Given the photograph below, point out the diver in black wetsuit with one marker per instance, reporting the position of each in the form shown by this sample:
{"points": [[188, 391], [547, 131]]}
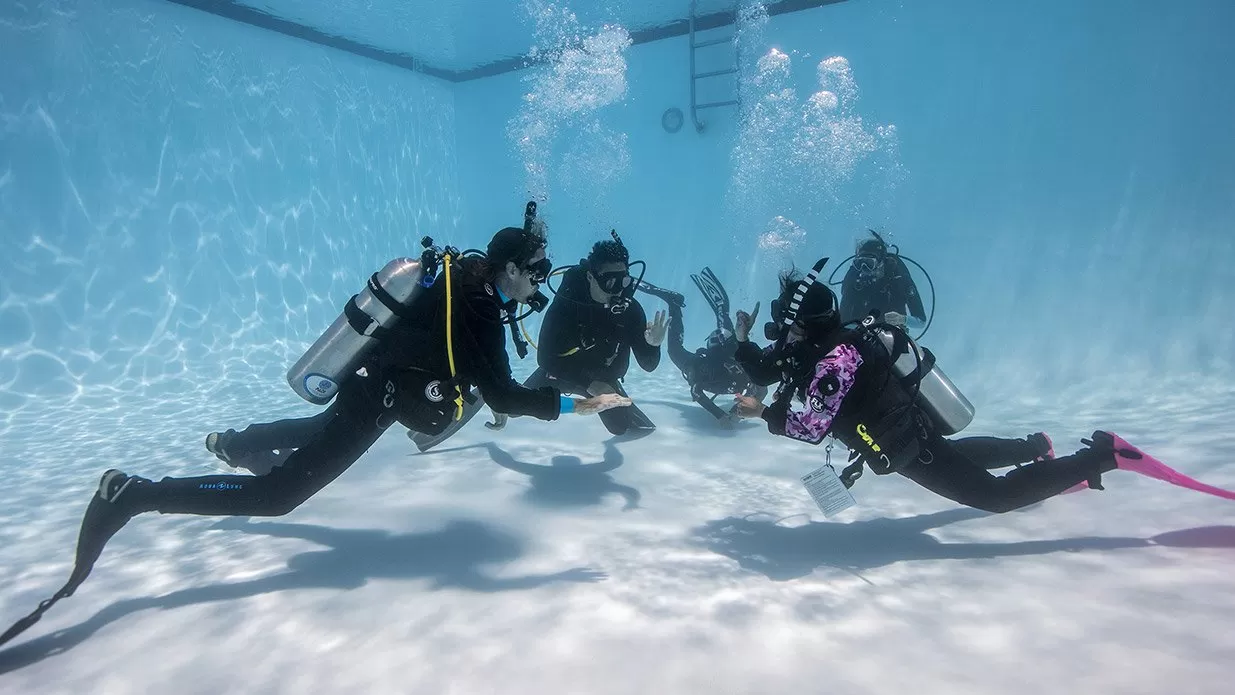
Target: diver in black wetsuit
{"points": [[413, 375], [591, 328], [711, 369], [879, 280], [894, 410]]}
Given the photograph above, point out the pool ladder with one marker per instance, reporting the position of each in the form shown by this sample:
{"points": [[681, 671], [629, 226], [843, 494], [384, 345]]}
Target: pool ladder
{"points": [[695, 106]]}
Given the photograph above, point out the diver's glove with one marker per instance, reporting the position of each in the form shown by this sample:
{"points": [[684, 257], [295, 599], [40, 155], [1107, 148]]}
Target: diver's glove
{"points": [[499, 421]]}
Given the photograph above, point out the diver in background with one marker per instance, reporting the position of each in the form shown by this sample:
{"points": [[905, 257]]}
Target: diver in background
{"points": [[856, 387], [713, 368], [878, 280], [413, 375], [590, 330]]}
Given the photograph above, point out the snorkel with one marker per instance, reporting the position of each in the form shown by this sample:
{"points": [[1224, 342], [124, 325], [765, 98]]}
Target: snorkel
{"points": [[788, 311], [542, 268]]}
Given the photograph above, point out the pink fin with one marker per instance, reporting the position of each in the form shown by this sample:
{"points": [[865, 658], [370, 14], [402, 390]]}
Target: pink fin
{"points": [[1149, 466]]}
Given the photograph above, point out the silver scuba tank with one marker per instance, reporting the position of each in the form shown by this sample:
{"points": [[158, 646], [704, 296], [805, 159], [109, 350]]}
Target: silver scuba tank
{"points": [[947, 406], [339, 352]]}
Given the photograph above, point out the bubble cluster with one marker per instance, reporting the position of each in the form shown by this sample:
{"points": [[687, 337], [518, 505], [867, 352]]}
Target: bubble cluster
{"points": [[782, 234], [594, 161], [814, 158], [580, 74]]}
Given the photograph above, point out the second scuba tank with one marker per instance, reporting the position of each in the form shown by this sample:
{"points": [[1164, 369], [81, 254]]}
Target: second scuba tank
{"points": [[950, 410], [366, 317]]}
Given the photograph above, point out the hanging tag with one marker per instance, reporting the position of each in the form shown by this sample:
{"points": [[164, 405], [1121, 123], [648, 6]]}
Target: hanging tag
{"points": [[826, 488]]}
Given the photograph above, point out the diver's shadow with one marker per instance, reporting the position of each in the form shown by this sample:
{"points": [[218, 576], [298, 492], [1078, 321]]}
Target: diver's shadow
{"points": [[453, 556], [567, 481], [703, 422], [783, 553]]}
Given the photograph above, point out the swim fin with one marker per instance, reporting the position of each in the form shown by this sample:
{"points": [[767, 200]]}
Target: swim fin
{"points": [[104, 517], [626, 419], [424, 442], [1130, 458], [714, 292]]}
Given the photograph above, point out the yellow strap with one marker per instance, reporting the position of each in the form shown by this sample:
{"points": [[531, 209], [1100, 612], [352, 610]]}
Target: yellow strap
{"points": [[527, 336], [569, 352], [450, 343]]}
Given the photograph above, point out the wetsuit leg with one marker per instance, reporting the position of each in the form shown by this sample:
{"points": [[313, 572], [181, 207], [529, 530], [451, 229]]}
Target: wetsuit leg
{"points": [[682, 359], [996, 452], [291, 433], [951, 474], [352, 427]]}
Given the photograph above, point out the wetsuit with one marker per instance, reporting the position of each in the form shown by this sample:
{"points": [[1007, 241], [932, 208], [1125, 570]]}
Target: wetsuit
{"points": [[407, 380], [850, 387], [583, 341], [893, 291]]}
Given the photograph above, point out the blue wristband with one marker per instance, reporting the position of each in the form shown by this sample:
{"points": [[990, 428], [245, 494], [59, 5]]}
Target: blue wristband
{"points": [[568, 404]]}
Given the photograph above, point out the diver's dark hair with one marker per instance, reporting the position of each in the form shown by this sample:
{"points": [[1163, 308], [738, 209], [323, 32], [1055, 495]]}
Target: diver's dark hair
{"points": [[510, 244], [875, 246], [608, 251], [789, 280]]}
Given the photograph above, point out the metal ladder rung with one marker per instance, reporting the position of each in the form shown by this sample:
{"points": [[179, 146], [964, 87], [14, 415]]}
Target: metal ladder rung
{"points": [[694, 78], [713, 42], [714, 73]]}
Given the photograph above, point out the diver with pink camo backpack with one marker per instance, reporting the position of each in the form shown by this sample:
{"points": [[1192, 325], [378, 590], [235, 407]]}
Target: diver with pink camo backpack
{"points": [[871, 387]]}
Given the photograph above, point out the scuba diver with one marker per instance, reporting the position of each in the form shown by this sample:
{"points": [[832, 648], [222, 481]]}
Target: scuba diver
{"points": [[591, 328], [879, 280], [263, 446], [712, 368], [404, 350], [883, 397]]}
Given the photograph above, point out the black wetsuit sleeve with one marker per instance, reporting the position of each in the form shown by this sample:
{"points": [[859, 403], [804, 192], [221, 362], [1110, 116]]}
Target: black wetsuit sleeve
{"points": [[851, 301], [759, 367], [909, 290], [636, 325], [489, 364]]}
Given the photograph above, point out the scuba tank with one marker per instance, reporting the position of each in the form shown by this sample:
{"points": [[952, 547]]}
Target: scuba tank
{"points": [[915, 366], [366, 318]]}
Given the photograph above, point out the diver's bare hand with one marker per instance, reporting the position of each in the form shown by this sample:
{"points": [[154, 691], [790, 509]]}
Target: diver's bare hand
{"points": [[601, 403], [747, 407], [655, 333], [743, 324]]}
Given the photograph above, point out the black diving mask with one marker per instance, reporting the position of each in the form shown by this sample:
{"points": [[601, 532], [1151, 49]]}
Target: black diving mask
{"points": [[620, 282], [614, 282], [539, 271]]}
